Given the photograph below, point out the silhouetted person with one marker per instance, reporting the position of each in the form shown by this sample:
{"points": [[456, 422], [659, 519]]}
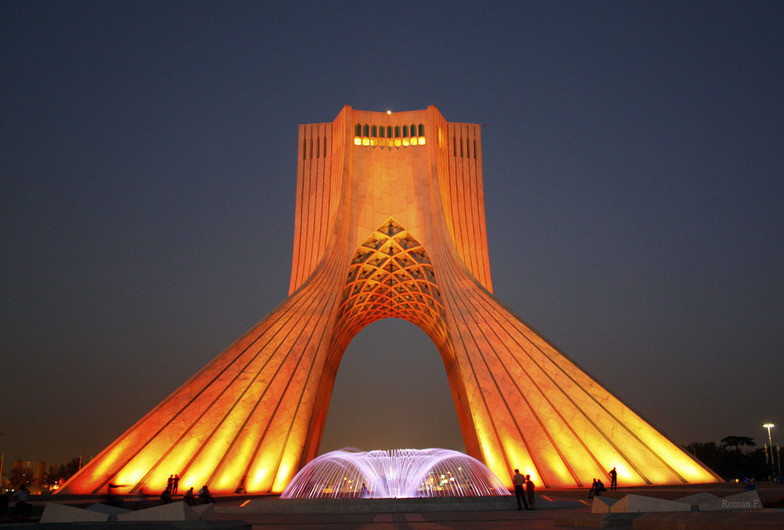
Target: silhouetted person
{"points": [[140, 499], [189, 497], [4, 498], [166, 496], [529, 491], [518, 480], [112, 499], [170, 483], [613, 479], [175, 484], [21, 496], [204, 495], [596, 488]]}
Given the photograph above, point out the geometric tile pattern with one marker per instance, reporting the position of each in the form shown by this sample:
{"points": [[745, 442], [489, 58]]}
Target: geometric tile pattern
{"points": [[387, 231], [391, 276]]}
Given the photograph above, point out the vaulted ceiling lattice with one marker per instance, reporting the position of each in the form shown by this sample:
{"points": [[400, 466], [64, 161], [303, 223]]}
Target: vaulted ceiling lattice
{"points": [[391, 276]]}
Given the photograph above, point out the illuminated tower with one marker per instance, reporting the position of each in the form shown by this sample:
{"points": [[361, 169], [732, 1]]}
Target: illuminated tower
{"points": [[390, 222]]}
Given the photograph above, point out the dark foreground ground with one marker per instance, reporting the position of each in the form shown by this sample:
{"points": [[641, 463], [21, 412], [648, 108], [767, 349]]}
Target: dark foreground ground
{"points": [[554, 509]]}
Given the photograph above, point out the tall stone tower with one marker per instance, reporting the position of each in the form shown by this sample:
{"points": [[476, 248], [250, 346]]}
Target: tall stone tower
{"points": [[390, 222]]}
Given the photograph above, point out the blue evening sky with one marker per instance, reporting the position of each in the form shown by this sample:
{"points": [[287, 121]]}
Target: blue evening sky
{"points": [[633, 164]]}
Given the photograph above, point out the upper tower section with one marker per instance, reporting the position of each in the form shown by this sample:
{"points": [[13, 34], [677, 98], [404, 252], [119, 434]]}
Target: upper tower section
{"points": [[367, 166]]}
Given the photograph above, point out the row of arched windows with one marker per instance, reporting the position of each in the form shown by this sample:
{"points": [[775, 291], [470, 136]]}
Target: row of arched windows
{"points": [[389, 135]]}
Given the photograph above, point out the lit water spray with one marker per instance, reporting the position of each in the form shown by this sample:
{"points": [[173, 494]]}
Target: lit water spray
{"points": [[396, 473]]}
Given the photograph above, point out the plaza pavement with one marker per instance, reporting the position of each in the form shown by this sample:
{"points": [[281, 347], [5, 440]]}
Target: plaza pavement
{"points": [[567, 508]]}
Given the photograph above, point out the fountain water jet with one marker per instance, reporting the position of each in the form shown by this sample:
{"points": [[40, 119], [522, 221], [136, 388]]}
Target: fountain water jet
{"points": [[397, 473]]}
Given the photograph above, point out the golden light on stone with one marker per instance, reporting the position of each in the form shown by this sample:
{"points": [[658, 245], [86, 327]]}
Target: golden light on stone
{"points": [[390, 223]]}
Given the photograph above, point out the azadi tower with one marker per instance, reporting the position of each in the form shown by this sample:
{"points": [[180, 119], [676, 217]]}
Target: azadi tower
{"points": [[390, 223]]}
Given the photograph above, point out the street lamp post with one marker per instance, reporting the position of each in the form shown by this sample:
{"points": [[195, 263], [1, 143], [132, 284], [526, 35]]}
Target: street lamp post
{"points": [[2, 461], [769, 426]]}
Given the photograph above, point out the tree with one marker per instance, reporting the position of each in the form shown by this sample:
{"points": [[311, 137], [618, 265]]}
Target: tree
{"points": [[727, 459], [19, 476], [62, 472], [737, 441]]}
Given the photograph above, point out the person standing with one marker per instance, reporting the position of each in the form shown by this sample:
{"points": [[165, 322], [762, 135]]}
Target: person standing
{"points": [[519, 480], [529, 491], [613, 479]]}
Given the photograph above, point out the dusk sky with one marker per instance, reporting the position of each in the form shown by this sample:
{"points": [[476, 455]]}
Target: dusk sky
{"points": [[633, 178]]}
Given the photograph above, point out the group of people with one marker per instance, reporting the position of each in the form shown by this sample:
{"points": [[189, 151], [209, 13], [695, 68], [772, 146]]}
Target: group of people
{"points": [[189, 497], [524, 490], [598, 486], [171, 488]]}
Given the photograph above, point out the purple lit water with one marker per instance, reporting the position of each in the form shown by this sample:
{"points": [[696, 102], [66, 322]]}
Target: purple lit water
{"points": [[397, 473]]}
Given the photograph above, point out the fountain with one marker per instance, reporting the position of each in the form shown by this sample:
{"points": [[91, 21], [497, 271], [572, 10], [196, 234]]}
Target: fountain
{"points": [[398, 473]]}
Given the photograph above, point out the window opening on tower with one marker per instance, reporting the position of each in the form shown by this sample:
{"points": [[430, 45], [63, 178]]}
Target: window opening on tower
{"points": [[389, 136]]}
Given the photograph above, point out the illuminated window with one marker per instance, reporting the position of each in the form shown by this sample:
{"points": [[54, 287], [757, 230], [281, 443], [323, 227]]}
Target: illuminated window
{"points": [[382, 135]]}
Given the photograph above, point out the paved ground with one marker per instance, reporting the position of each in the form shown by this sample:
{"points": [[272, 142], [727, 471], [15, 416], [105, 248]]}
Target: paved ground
{"points": [[556, 507], [413, 521], [402, 514]]}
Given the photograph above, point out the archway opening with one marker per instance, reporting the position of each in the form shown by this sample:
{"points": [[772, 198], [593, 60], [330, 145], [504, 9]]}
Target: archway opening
{"points": [[391, 392]]}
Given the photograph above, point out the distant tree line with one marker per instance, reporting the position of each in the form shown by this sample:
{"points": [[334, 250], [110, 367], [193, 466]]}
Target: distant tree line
{"points": [[734, 458], [24, 476]]}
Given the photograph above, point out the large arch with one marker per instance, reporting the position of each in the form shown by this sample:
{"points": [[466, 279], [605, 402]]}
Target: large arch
{"points": [[391, 391], [387, 227]]}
